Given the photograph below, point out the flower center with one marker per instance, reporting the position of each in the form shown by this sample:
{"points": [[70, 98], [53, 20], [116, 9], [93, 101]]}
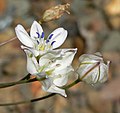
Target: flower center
{"points": [[41, 47], [44, 44]]}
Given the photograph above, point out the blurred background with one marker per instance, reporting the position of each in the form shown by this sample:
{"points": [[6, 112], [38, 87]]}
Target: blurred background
{"points": [[93, 25]]}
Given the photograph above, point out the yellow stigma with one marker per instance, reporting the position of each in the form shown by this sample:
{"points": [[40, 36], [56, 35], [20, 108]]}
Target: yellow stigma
{"points": [[41, 47], [49, 72]]}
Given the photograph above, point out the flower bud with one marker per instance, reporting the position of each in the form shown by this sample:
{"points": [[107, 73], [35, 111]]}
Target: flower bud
{"points": [[55, 12], [92, 68]]}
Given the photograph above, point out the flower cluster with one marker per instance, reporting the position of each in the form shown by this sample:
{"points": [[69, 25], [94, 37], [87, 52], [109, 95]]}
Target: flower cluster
{"points": [[44, 60]]}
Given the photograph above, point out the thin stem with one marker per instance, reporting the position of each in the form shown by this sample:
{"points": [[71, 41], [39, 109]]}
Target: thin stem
{"points": [[26, 77], [28, 101], [41, 98], [7, 41], [72, 84], [10, 40], [13, 39], [4, 85]]}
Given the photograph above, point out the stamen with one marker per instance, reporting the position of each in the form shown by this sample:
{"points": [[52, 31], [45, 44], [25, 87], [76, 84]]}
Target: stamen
{"points": [[38, 42], [53, 43], [47, 41], [38, 34], [50, 36], [42, 35]]}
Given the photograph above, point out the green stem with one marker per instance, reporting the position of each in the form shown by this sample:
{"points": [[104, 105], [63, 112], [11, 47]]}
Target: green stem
{"points": [[41, 98], [28, 101], [26, 77], [72, 84], [4, 85]]}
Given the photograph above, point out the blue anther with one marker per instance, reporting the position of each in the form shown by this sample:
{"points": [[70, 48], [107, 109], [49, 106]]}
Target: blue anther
{"points": [[42, 35], [47, 41], [53, 43], [38, 42], [50, 36], [38, 34]]}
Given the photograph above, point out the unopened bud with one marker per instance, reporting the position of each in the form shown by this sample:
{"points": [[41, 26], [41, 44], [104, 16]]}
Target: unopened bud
{"points": [[92, 68], [55, 12]]}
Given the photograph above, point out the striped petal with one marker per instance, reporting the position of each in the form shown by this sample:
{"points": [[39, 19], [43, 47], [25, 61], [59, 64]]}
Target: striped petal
{"points": [[61, 77], [67, 58], [57, 37], [23, 36], [48, 86], [32, 64], [32, 50], [36, 30]]}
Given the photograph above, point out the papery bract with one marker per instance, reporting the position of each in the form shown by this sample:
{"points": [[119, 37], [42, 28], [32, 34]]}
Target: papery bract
{"points": [[55, 12], [92, 68]]}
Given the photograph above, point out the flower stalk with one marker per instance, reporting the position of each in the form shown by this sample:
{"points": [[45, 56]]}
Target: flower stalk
{"points": [[41, 98], [28, 101], [72, 84], [4, 85]]}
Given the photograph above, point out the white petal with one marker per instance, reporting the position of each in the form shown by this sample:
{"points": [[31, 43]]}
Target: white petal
{"points": [[90, 58], [43, 61], [52, 54], [59, 36], [94, 75], [58, 61], [62, 77], [35, 28], [67, 58], [47, 83], [87, 73], [23, 36], [90, 77], [32, 50], [54, 89], [64, 70], [32, 64], [104, 72], [48, 86], [97, 75], [61, 80], [49, 56]]}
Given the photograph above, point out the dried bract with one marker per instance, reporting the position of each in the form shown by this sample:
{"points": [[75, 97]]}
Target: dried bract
{"points": [[55, 12]]}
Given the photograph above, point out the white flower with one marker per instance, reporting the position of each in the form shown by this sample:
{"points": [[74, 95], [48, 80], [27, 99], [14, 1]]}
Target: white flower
{"points": [[92, 68], [55, 65], [36, 42], [43, 60]]}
